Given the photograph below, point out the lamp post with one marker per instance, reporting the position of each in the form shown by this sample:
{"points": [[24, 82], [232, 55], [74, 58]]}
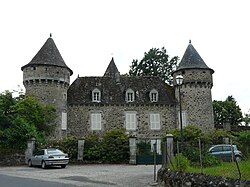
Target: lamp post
{"points": [[179, 81]]}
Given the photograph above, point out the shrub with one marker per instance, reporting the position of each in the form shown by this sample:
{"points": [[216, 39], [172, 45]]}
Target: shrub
{"points": [[244, 139], [180, 162], [116, 146]]}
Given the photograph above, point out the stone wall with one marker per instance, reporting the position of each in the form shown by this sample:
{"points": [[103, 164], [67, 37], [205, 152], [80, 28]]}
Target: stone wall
{"points": [[49, 84], [180, 179], [196, 98], [113, 116], [12, 159]]}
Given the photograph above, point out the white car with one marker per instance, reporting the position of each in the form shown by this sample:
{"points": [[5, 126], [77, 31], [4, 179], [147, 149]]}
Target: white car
{"points": [[49, 157]]}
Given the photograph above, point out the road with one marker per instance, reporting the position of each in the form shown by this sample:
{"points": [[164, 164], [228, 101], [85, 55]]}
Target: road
{"points": [[75, 175]]}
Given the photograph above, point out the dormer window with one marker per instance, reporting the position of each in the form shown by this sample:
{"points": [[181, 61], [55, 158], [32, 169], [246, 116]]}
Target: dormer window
{"points": [[96, 95], [153, 95], [130, 95]]}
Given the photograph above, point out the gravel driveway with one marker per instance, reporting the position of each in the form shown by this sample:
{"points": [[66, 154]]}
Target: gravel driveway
{"points": [[89, 175]]}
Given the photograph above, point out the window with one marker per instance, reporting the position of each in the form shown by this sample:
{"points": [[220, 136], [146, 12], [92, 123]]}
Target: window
{"points": [[64, 121], [130, 121], [130, 95], [153, 95], [155, 121], [184, 119], [157, 144], [96, 95], [65, 96], [96, 121]]}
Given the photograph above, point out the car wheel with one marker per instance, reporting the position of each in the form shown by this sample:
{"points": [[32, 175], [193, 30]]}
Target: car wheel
{"points": [[29, 163], [238, 158], [43, 165], [63, 166]]}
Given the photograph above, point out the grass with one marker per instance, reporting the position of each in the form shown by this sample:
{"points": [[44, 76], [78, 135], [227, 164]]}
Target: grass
{"points": [[226, 169]]}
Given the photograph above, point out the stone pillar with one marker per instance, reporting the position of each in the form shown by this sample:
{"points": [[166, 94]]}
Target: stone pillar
{"points": [[132, 148], [80, 149], [170, 148], [30, 149]]}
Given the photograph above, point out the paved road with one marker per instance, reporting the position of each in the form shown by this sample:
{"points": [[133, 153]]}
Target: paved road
{"points": [[87, 175]]}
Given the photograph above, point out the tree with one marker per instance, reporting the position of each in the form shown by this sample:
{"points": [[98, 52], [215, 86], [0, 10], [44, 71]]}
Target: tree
{"points": [[155, 63], [22, 118], [246, 119], [227, 111]]}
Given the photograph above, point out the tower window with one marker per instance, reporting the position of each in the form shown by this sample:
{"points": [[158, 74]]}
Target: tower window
{"points": [[34, 68], [96, 95]]}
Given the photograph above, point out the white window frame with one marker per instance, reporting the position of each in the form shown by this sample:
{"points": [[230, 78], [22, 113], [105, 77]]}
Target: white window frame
{"points": [[184, 119], [130, 95], [153, 95], [64, 121], [155, 121], [130, 121], [158, 145], [96, 121], [96, 95]]}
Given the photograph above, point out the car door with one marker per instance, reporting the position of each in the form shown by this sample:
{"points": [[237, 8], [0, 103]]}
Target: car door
{"points": [[217, 151], [38, 157], [227, 152]]}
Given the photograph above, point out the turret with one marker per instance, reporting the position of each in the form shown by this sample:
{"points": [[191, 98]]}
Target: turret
{"points": [[47, 77], [195, 91]]}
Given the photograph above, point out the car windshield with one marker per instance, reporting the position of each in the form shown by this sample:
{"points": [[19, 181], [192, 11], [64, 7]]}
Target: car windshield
{"points": [[54, 151]]}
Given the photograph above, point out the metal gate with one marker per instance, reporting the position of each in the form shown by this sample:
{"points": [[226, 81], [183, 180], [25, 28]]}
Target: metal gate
{"points": [[148, 152]]}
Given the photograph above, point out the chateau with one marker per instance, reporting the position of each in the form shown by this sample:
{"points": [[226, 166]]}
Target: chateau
{"points": [[145, 106]]}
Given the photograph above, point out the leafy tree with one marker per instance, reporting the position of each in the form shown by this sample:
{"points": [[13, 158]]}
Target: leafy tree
{"points": [[246, 119], [155, 63], [22, 118], [227, 111], [6, 109], [33, 112]]}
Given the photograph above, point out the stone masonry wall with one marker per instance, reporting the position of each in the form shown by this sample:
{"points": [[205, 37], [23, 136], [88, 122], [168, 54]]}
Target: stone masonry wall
{"points": [[12, 159], [197, 98], [113, 116], [49, 84], [180, 179]]}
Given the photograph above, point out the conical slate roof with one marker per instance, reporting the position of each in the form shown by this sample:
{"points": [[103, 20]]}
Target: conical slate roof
{"points": [[192, 60], [48, 55], [111, 70]]}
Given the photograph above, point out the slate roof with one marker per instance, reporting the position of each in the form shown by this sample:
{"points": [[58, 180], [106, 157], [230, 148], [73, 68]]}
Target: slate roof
{"points": [[48, 55], [192, 60], [111, 70], [80, 91]]}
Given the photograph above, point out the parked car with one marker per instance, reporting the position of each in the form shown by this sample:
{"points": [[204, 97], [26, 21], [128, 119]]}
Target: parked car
{"points": [[224, 152], [49, 157]]}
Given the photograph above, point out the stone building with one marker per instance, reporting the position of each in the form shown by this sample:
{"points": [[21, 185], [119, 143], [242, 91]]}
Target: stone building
{"points": [[145, 106]]}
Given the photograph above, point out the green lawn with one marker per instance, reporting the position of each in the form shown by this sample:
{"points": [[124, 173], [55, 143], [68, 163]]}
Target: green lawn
{"points": [[227, 169]]}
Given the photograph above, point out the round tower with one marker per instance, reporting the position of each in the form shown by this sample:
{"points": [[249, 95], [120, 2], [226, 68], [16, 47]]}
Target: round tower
{"points": [[47, 77], [195, 91]]}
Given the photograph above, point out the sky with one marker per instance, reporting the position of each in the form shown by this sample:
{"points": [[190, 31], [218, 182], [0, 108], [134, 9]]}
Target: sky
{"points": [[89, 33]]}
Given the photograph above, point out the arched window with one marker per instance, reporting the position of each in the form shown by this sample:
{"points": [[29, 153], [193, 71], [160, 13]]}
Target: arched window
{"points": [[153, 95], [96, 95], [130, 95]]}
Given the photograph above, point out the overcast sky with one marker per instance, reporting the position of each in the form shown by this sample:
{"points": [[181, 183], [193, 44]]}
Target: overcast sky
{"points": [[89, 33]]}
